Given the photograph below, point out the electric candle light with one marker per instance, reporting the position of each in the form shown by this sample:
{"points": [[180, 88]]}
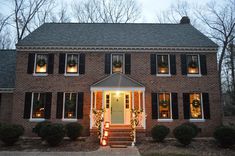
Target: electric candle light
{"points": [[106, 133], [106, 125], [38, 114], [41, 69], [103, 142], [70, 114]]}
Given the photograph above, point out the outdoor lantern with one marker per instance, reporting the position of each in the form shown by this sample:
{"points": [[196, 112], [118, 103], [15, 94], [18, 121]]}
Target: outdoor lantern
{"points": [[106, 133], [106, 125], [104, 142]]}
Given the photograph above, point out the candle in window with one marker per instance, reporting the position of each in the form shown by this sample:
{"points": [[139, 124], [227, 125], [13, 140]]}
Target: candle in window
{"points": [[70, 114], [38, 114], [164, 115]]}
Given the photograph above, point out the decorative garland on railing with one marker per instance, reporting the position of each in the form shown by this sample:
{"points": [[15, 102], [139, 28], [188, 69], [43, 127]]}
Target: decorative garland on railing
{"points": [[134, 121], [98, 119]]}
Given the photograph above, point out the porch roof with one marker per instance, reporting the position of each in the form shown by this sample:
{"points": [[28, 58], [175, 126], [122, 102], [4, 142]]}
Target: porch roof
{"points": [[117, 81]]}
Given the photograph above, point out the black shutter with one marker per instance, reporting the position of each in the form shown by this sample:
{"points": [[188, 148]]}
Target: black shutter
{"points": [[154, 106], [59, 107], [206, 105], [174, 101], [153, 66], [186, 104], [172, 64], [127, 63], [80, 105], [27, 105], [31, 59], [61, 63], [50, 63], [82, 64], [183, 64], [107, 67], [48, 105], [203, 64]]}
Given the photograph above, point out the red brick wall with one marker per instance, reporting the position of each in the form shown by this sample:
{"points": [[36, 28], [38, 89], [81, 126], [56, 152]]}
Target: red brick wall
{"points": [[140, 71]]}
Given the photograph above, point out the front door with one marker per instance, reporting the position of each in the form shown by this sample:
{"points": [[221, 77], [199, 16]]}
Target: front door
{"points": [[117, 108]]}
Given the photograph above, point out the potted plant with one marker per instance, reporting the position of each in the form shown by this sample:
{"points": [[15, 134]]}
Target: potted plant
{"points": [[41, 62], [164, 103], [117, 64], [72, 63]]}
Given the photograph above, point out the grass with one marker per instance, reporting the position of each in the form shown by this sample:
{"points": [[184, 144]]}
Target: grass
{"points": [[166, 154]]}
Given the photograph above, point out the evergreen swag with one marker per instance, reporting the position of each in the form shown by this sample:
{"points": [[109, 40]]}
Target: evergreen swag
{"points": [[41, 62], [164, 103], [72, 62], [193, 64], [163, 65], [39, 104], [70, 104], [117, 64], [196, 103]]}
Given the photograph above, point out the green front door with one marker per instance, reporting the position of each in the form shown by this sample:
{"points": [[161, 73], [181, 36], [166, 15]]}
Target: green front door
{"points": [[117, 110]]}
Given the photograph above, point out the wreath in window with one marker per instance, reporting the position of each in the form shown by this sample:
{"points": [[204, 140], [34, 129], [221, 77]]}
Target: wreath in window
{"points": [[70, 105], [72, 63], [41, 62], [164, 103], [163, 65], [39, 105], [193, 64], [117, 64], [196, 103]]}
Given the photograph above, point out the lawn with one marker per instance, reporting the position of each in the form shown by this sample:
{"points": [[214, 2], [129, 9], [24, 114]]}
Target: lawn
{"points": [[199, 147]]}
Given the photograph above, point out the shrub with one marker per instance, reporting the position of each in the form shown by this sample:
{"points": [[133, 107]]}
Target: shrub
{"points": [[159, 133], [73, 130], [53, 133], [225, 136], [38, 127], [183, 134], [196, 130], [10, 133]]}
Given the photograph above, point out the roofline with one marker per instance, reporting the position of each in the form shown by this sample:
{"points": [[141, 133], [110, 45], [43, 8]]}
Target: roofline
{"points": [[117, 89], [6, 90]]}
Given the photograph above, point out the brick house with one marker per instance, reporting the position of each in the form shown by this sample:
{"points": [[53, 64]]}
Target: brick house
{"points": [[167, 72]]}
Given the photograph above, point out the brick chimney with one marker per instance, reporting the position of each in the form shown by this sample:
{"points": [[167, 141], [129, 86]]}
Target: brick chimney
{"points": [[185, 20]]}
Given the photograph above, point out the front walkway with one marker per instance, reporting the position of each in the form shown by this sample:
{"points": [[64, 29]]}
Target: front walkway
{"points": [[103, 151]]}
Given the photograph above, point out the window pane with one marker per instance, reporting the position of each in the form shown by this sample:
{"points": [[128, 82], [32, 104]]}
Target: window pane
{"points": [[107, 100], [195, 106], [127, 101], [72, 63], [162, 64], [117, 63], [193, 64], [39, 101], [70, 105], [164, 106], [41, 63]]}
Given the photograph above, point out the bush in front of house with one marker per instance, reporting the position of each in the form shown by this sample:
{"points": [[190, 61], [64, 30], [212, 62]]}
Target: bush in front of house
{"points": [[184, 134], [196, 130], [53, 133], [38, 127], [159, 133], [10, 133], [225, 136], [73, 130]]}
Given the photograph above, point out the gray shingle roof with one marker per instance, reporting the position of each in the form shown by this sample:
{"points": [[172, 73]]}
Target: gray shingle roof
{"points": [[117, 81], [120, 34], [7, 68]]}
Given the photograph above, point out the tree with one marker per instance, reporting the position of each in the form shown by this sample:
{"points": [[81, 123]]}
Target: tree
{"points": [[5, 38]]}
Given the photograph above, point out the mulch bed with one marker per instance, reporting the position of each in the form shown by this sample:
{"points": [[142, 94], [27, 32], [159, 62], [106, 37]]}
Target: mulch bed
{"points": [[203, 147], [34, 145]]}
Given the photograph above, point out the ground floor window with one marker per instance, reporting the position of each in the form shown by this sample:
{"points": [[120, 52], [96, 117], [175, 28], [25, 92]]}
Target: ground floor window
{"points": [[195, 106], [38, 105], [70, 106], [164, 103]]}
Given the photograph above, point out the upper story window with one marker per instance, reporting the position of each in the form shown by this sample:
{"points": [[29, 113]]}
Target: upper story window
{"points": [[38, 106], [71, 64], [164, 104], [41, 64], [117, 63], [70, 106], [193, 66], [195, 106], [163, 64]]}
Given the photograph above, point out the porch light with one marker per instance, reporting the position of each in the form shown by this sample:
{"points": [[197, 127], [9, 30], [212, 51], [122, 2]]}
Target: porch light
{"points": [[106, 133], [104, 142], [106, 125]]}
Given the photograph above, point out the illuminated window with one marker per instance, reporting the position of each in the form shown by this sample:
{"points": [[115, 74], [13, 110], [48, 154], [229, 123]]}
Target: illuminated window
{"points": [[70, 104], [164, 104], [195, 106], [41, 63], [72, 64], [162, 64], [193, 64], [38, 106], [117, 63], [107, 100], [127, 101]]}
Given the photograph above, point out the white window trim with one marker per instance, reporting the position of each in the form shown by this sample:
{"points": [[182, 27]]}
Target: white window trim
{"points": [[123, 66], [65, 66], [69, 119], [35, 63], [202, 110], [166, 119], [199, 66], [31, 111], [169, 66]]}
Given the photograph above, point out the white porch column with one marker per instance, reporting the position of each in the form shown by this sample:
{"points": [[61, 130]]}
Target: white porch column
{"points": [[91, 113], [139, 100], [132, 115], [102, 123], [144, 113]]}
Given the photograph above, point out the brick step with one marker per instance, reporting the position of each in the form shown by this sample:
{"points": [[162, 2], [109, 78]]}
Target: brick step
{"points": [[120, 138], [120, 130], [127, 143], [119, 134]]}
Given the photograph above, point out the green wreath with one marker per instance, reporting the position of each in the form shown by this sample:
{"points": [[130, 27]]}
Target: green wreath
{"points": [[164, 103], [41, 62], [72, 63], [193, 64], [196, 103], [117, 64]]}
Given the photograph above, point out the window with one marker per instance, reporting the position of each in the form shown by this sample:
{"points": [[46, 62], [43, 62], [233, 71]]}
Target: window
{"points": [[71, 64], [127, 101], [193, 64], [163, 64], [117, 63], [70, 106], [38, 106], [164, 104], [41, 63], [195, 106], [107, 100]]}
